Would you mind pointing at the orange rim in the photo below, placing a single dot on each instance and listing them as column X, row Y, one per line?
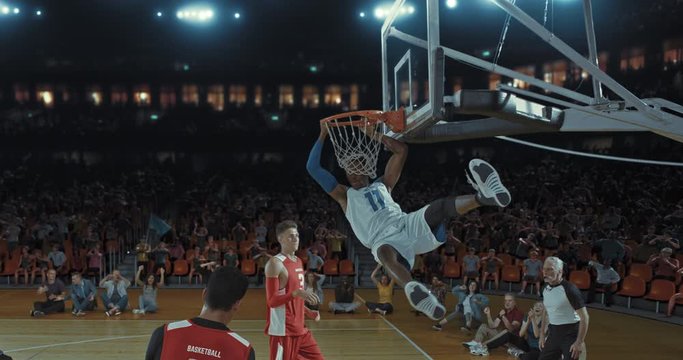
column 394, row 119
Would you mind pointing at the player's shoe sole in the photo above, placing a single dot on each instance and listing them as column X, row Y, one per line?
column 424, row 301
column 486, row 181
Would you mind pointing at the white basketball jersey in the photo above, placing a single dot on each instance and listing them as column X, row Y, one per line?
column 370, row 211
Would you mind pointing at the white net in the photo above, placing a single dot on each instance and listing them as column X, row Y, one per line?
column 356, row 142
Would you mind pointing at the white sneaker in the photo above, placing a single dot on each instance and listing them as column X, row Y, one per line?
column 470, row 344
column 479, row 350
column 486, row 181
column 424, row 301
column 137, row 311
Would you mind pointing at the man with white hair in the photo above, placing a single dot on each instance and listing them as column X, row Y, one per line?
column 566, row 315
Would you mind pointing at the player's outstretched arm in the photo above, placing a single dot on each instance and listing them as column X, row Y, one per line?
column 323, row 177
column 392, row 172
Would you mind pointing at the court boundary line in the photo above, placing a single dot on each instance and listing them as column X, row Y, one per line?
column 257, row 330
column 419, row 349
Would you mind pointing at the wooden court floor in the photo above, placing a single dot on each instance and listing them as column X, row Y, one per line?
column 401, row 335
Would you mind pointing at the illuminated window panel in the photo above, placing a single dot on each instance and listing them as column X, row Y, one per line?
column 191, row 94
column 21, row 94
column 286, row 97
column 258, row 96
column 45, row 95
column 237, row 95
column 142, row 96
column 310, row 97
column 119, row 95
column 333, row 95
column 167, row 97
column 353, row 100
column 215, row 97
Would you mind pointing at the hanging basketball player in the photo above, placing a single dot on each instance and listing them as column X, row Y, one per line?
column 394, row 236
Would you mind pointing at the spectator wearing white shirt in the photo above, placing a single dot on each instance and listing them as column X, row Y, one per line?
column 607, row 278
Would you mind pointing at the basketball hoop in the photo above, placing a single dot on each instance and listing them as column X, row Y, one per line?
column 356, row 137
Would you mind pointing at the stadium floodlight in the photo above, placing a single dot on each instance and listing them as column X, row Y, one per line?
column 159, row 14
column 362, row 14
column 198, row 14
column 39, row 13
column 5, row 10
column 237, row 15
column 16, row 11
column 383, row 10
column 451, row 4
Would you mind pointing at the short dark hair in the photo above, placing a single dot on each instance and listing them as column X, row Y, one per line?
column 284, row 226
column 226, row 287
column 76, row 273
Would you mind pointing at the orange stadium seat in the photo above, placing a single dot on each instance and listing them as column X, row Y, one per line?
column 661, row 290
column 642, row 271
column 346, row 268
column 511, row 274
column 633, row 286
column 248, row 267
column 451, row 270
column 180, row 269
column 582, row 279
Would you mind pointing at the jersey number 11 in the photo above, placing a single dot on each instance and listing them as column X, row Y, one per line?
column 375, row 198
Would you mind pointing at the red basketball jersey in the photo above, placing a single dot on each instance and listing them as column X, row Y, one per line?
column 288, row 319
column 186, row 340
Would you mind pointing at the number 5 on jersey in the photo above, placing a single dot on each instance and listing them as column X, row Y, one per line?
column 375, row 199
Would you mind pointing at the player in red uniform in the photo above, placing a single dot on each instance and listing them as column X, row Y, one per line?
column 207, row 336
column 285, row 296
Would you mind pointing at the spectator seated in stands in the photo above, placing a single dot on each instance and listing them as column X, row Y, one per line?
column 491, row 265
column 57, row 257
column 95, row 260
column 315, row 262
column 176, row 251
column 385, row 289
column 470, row 307
column 142, row 251
column 665, row 241
column 213, row 254
column 606, row 279
column 115, row 296
column 41, row 264
column 147, row 302
column 25, row 266
column 344, row 297
column 54, row 292
column 532, row 272
column 336, row 241
column 471, row 265
column 199, row 265
column 511, row 319
column 83, row 294
column 160, row 254
column 664, row 265
column 230, row 258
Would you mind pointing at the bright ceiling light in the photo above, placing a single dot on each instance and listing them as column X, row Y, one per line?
column 198, row 14
column 159, row 14
column 5, row 10
column 382, row 11
column 362, row 14
column 237, row 15
column 451, row 4
column 16, row 10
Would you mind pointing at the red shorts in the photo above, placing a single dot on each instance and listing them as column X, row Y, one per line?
column 294, row 348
